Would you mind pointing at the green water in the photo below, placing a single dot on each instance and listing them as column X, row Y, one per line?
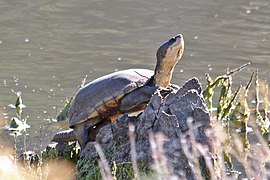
column 47, row 47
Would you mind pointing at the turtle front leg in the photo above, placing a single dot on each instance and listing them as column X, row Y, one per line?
column 81, row 133
column 137, row 99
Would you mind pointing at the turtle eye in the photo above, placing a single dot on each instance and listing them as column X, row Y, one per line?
column 172, row 40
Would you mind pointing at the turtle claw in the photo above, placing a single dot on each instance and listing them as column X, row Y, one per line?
column 174, row 87
column 171, row 88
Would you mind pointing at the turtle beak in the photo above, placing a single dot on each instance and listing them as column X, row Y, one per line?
column 177, row 43
column 178, row 36
column 177, row 39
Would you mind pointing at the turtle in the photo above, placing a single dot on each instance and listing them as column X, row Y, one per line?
column 103, row 100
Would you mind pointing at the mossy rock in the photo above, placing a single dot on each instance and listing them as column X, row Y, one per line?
column 68, row 151
column 124, row 170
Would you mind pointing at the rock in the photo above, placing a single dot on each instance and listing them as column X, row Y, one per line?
column 182, row 118
column 61, row 150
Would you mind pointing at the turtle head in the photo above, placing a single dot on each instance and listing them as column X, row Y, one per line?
column 172, row 50
column 168, row 54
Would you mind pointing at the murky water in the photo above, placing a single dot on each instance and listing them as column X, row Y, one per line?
column 48, row 47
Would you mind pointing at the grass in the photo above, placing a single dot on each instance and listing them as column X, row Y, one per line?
column 240, row 141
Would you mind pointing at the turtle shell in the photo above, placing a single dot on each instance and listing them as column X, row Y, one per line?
column 102, row 96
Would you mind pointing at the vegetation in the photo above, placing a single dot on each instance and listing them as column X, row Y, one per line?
column 240, row 138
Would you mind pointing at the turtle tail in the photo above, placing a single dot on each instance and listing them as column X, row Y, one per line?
column 65, row 136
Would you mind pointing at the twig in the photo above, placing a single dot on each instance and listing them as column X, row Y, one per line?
column 229, row 73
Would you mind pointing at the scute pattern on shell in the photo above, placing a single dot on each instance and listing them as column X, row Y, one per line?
column 110, row 87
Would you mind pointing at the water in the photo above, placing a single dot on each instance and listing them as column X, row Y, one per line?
column 48, row 47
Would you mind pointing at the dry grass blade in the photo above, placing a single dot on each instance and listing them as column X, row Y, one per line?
column 103, row 164
column 262, row 121
column 133, row 151
column 158, row 155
